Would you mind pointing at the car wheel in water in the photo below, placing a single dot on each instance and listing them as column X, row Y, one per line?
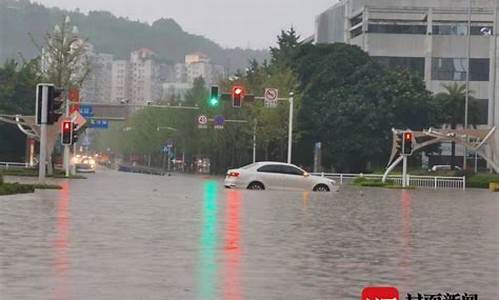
column 321, row 188
column 255, row 186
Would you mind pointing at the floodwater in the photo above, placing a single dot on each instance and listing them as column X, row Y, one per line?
column 131, row 236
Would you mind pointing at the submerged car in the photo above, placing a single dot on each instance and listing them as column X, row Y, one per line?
column 268, row 175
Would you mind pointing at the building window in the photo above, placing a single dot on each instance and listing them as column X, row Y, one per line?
column 412, row 64
column 356, row 31
column 356, row 20
column 460, row 28
column 398, row 29
column 479, row 69
column 455, row 69
column 450, row 29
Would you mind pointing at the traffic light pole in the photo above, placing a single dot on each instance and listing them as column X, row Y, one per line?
column 290, row 129
column 66, row 147
column 254, row 153
column 43, row 135
column 403, row 177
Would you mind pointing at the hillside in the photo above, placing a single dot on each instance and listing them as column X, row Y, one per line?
column 110, row 34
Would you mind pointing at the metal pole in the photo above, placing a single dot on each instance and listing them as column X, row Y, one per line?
column 66, row 147
column 403, row 179
column 254, row 139
column 467, row 75
column 290, row 129
column 43, row 135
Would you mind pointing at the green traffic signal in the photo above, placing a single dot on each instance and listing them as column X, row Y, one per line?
column 213, row 101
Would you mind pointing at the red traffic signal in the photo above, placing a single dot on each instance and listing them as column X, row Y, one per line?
column 408, row 142
column 67, row 132
column 237, row 96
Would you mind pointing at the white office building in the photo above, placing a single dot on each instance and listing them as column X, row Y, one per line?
column 426, row 36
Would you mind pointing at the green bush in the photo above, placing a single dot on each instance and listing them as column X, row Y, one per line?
column 481, row 181
column 1, row 179
column 15, row 188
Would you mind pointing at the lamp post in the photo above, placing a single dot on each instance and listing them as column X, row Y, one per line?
column 467, row 79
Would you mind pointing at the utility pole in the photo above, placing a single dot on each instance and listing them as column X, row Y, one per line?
column 290, row 129
column 403, row 177
column 467, row 77
column 66, row 147
column 43, row 133
column 254, row 139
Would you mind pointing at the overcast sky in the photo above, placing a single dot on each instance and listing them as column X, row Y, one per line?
column 230, row 23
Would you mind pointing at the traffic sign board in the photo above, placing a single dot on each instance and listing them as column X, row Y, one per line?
column 99, row 123
column 202, row 121
column 219, row 122
column 86, row 110
column 271, row 97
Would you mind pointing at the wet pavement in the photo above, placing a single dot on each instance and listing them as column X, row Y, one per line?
column 131, row 236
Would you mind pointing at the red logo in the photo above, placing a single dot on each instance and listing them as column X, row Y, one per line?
column 380, row 293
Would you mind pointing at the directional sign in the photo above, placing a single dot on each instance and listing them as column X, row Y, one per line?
column 271, row 97
column 219, row 122
column 98, row 123
column 86, row 111
column 202, row 121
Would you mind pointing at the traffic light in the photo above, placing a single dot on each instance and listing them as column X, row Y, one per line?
column 55, row 101
column 213, row 101
column 74, row 137
column 408, row 142
column 237, row 96
column 67, row 132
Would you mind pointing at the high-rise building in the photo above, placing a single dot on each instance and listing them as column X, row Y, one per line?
column 120, row 81
column 198, row 65
column 97, row 84
column 428, row 37
column 144, row 84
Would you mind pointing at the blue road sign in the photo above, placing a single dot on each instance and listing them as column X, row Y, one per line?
column 219, row 120
column 98, row 123
column 86, row 111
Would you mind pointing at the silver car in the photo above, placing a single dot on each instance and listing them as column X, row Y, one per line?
column 269, row 175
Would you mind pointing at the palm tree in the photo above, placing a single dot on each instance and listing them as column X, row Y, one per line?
column 451, row 105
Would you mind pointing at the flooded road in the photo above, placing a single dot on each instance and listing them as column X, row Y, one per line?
column 130, row 236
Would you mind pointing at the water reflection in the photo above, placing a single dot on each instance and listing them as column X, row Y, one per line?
column 207, row 269
column 232, row 247
column 405, row 240
column 61, row 244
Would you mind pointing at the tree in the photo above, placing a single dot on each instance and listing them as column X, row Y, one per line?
column 350, row 105
column 17, row 96
column 63, row 58
column 283, row 55
column 451, row 107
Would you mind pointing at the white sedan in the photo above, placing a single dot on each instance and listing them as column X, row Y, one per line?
column 276, row 175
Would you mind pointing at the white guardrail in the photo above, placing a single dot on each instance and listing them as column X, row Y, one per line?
column 8, row 165
column 433, row 182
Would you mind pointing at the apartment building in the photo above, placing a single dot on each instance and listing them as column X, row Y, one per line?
column 120, row 81
column 97, row 85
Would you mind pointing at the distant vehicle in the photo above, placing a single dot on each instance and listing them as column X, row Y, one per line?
column 276, row 175
column 85, row 165
column 443, row 168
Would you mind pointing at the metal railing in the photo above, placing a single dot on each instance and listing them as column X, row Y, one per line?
column 433, row 182
column 7, row 165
